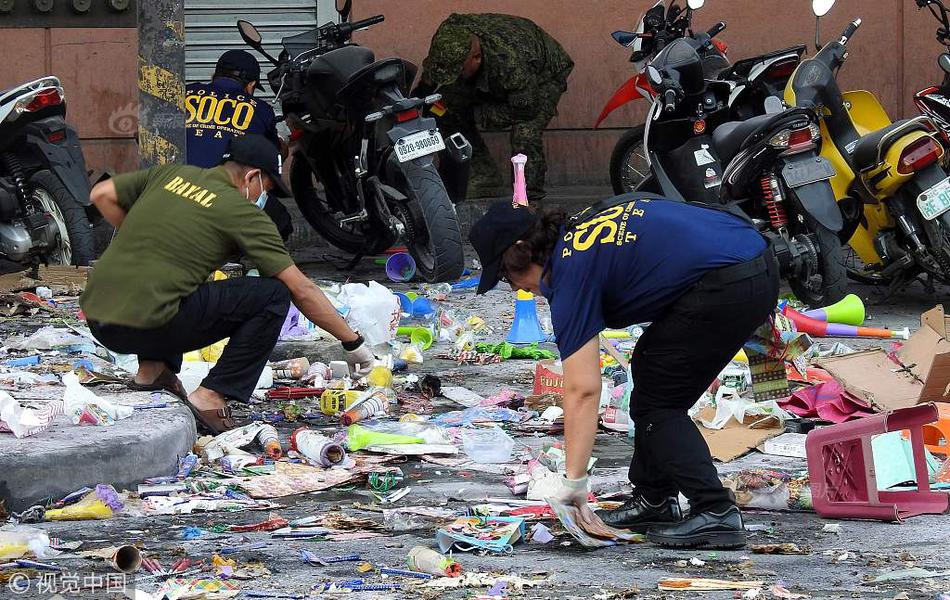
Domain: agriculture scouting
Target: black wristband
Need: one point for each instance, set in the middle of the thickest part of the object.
(351, 346)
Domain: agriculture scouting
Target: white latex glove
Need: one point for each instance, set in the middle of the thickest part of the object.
(361, 360)
(572, 492)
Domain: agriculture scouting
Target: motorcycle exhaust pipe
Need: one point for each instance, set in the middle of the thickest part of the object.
(911, 232)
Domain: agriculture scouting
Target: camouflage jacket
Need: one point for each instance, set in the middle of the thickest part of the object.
(522, 66)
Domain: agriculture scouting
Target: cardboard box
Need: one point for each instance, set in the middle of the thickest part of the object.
(548, 377)
(923, 374)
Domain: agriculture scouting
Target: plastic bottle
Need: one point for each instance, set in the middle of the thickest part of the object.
(318, 448)
(437, 291)
(377, 402)
(426, 560)
(268, 440)
(295, 368)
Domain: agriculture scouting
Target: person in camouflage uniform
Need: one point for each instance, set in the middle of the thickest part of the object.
(497, 72)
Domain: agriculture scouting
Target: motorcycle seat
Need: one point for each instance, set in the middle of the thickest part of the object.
(868, 151)
(729, 137)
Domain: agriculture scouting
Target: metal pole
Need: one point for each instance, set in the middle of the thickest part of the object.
(161, 28)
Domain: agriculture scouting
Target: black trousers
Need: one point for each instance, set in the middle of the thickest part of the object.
(674, 362)
(249, 310)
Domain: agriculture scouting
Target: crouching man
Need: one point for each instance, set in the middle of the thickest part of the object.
(149, 293)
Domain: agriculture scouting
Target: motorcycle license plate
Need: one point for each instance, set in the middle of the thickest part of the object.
(935, 201)
(419, 144)
(813, 169)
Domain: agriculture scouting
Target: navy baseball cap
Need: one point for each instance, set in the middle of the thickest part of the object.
(253, 150)
(499, 228)
(239, 64)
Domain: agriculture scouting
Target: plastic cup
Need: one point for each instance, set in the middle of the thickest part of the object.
(400, 267)
(420, 336)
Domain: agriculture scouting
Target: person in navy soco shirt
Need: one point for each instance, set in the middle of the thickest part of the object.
(226, 108)
(705, 279)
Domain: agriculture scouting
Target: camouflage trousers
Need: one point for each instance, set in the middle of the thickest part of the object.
(526, 137)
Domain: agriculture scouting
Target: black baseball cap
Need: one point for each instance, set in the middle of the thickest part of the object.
(239, 64)
(253, 150)
(499, 228)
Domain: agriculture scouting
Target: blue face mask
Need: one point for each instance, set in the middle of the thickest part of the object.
(261, 201)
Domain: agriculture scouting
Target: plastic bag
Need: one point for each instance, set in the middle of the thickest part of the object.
(16, 541)
(374, 311)
(23, 422)
(47, 338)
(83, 406)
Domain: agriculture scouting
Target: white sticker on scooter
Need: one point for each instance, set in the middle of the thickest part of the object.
(712, 179)
(703, 156)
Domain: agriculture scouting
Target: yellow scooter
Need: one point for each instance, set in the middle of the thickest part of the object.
(890, 186)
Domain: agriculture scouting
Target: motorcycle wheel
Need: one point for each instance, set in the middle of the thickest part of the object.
(321, 210)
(75, 243)
(628, 163)
(433, 234)
(833, 283)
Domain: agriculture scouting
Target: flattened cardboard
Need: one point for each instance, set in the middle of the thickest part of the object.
(872, 376)
(927, 355)
(734, 439)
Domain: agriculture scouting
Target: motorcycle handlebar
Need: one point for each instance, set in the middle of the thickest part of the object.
(849, 31)
(347, 29)
(716, 29)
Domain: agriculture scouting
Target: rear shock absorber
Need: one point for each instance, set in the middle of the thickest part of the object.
(772, 199)
(13, 166)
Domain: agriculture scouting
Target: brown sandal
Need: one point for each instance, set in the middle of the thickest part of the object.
(214, 421)
(165, 382)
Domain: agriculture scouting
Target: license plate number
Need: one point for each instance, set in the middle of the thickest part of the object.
(797, 174)
(419, 144)
(935, 201)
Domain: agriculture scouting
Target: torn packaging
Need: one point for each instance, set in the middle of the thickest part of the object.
(923, 374)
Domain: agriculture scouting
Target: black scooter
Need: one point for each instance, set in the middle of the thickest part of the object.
(363, 171)
(44, 188)
(767, 166)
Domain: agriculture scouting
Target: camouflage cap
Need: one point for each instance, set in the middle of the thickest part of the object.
(447, 53)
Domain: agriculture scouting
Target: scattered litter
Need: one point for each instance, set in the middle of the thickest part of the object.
(832, 528)
(540, 534)
(913, 573)
(431, 562)
(779, 591)
(787, 548)
(674, 584)
(597, 534)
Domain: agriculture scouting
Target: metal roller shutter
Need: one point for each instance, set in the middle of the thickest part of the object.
(211, 28)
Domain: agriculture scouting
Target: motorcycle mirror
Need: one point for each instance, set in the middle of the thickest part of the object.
(249, 33)
(343, 8)
(821, 7)
(944, 61)
(654, 76)
(695, 4)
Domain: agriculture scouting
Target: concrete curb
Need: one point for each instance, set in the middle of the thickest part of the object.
(67, 457)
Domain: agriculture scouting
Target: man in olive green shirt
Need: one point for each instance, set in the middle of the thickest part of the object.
(149, 294)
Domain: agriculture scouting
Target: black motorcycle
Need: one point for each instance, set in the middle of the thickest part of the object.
(44, 188)
(751, 80)
(363, 171)
(767, 167)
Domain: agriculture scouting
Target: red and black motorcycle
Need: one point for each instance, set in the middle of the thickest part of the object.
(750, 80)
(934, 101)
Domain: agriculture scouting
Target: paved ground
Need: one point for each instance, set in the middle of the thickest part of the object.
(836, 566)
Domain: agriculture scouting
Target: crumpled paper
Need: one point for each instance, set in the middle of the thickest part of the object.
(729, 405)
(22, 421)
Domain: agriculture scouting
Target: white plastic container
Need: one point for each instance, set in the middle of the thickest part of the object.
(487, 445)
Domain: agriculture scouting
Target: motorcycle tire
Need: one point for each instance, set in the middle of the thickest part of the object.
(834, 275)
(625, 178)
(71, 220)
(434, 236)
(311, 205)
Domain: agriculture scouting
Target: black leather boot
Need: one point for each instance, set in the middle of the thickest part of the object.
(637, 514)
(710, 529)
